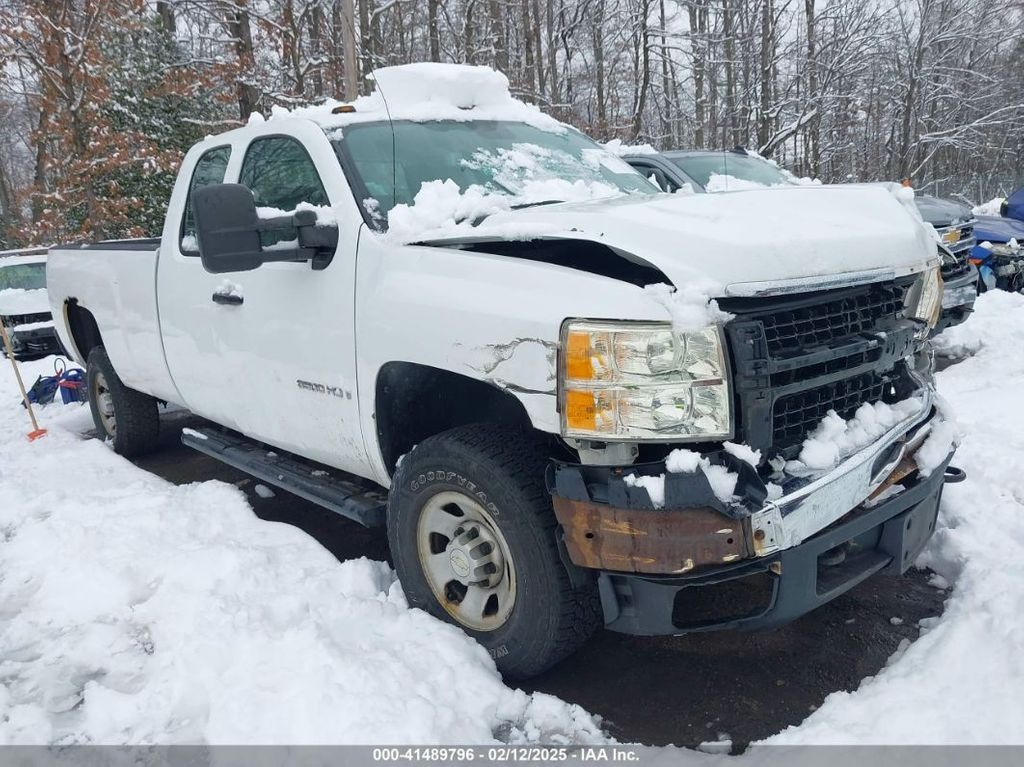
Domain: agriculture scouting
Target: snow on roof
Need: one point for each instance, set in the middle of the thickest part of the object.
(38, 258)
(426, 92)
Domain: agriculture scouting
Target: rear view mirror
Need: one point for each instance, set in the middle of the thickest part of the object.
(228, 229)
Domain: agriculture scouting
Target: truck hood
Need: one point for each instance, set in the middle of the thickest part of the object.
(742, 243)
(17, 301)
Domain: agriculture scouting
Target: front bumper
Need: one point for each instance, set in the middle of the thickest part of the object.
(958, 297)
(698, 565)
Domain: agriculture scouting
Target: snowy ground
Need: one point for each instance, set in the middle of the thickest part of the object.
(133, 610)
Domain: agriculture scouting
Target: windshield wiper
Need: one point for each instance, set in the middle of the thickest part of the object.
(522, 205)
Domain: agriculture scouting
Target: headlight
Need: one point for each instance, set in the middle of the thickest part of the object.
(924, 300)
(642, 380)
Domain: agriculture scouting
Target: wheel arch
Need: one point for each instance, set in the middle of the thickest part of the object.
(83, 329)
(413, 401)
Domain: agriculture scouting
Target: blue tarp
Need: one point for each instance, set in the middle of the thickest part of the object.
(997, 229)
(1015, 205)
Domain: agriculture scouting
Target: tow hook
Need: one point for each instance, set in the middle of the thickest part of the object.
(954, 475)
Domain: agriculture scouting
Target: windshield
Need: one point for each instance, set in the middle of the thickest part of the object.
(23, 277)
(516, 161)
(714, 171)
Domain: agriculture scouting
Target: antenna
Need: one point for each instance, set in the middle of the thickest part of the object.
(394, 145)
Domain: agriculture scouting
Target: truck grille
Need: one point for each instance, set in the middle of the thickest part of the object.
(795, 358)
(795, 415)
(961, 248)
(820, 323)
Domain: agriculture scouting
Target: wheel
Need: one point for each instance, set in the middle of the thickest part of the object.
(128, 418)
(474, 541)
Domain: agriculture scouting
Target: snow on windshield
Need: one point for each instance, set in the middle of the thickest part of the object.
(456, 173)
(521, 175)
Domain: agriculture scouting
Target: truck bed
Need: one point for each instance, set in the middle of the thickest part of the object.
(115, 282)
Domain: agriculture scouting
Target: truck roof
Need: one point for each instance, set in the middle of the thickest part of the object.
(422, 92)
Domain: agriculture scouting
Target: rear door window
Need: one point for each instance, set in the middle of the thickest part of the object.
(209, 170)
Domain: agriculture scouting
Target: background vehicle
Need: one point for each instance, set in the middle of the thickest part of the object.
(955, 225)
(737, 170)
(24, 306)
(412, 307)
(731, 170)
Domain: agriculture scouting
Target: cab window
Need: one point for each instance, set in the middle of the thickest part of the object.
(209, 170)
(281, 174)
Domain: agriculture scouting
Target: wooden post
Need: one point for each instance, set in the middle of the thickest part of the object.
(36, 432)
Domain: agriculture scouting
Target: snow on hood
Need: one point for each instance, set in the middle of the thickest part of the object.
(17, 301)
(738, 240)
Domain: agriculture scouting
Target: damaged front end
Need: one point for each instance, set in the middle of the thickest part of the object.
(789, 537)
(696, 564)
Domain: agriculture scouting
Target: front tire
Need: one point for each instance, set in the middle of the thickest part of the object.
(128, 418)
(474, 541)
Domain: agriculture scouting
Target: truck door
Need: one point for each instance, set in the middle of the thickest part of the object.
(270, 352)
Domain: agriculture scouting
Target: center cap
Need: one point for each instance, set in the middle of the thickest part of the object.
(459, 563)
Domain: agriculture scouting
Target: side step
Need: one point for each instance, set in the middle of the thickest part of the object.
(349, 496)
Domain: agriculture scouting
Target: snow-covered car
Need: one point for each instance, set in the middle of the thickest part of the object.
(572, 399)
(24, 306)
(738, 170)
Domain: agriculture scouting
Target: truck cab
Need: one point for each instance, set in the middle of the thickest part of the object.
(573, 400)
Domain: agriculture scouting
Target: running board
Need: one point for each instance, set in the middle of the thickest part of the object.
(333, 489)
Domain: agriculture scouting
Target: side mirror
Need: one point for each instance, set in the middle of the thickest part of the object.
(228, 230)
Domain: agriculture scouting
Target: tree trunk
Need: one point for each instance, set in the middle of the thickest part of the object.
(599, 65)
(813, 128)
(697, 40)
(249, 96)
(432, 31)
(730, 121)
(498, 38)
(767, 79)
(644, 74)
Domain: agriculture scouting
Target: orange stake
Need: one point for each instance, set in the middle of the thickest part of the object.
(36, 432)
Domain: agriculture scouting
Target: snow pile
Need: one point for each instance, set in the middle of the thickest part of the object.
(990, 208)
(616, 147)
(19, 301)
(428, 91)
(523, 175)
(682, 461)
(743, 452)
(136, 611)
(326, 215)
(440, 208)
(718, 182)
(960, 682)
(835, 438)
(692, 307)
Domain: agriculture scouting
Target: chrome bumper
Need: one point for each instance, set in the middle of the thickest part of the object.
(793, 518)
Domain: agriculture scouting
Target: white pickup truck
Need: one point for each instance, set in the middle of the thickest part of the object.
(572, 399)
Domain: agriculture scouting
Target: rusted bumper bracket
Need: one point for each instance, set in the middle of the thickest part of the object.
(770, 591)
(610, 525)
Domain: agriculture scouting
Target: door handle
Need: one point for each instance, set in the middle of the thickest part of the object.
(228, 299)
